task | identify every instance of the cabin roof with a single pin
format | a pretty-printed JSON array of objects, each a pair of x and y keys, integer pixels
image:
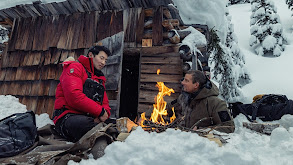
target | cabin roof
[{"x": 75, "y": 6}]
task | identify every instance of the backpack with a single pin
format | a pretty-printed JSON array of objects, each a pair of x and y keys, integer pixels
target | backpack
[
  {"x": 18, "y": 132},
  {"x": 267, "y": 108}
]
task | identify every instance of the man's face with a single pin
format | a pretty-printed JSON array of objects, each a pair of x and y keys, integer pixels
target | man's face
[
  {"x": 99, "y": 60},
  {"x": 187, "y": 84}
]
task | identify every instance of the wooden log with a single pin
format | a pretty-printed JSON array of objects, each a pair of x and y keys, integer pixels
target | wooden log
[
  {"x": 170, "y": 23},
  {"x": 162, "y": 60},
  {"x": 151, "y": 86},
  {"x": 144, "y": 78},
  {"x": 148, "y": 12},
  {"x": 125, "y": 125},
  {"x": 167, "y": 13},
  {"x": 264, "y": 128},
  {"x": 158, "y": 50},
  {"x": 164, "y": 69}
]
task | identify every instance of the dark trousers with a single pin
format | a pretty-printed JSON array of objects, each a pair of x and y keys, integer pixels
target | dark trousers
[{"x": 74, "y": 126}]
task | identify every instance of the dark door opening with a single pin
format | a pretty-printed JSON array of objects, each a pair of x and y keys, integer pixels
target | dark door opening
[{"x": 129, "y": 86}]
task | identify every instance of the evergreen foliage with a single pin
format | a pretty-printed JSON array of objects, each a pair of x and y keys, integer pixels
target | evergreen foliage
[
  {"x": 266, "y": 30},
  {"x": 232, "y": 2},
  {"x": 242, "y": 74},
  {"x": 222, "y": 69}
]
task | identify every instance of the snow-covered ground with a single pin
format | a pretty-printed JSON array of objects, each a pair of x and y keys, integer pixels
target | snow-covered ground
[{"x": 269, "y": 75}]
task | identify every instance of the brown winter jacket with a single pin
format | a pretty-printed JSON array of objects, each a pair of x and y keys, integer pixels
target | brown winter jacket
[{"x": 207, "y": 107}]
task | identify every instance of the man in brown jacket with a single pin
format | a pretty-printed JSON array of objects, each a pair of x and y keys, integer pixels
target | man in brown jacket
[{"x": 200, "y": 105}]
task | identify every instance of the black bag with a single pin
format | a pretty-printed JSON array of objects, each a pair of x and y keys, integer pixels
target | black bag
[
  {"x": 268, "y": 108},
  {"x": 18, "y": 132}
]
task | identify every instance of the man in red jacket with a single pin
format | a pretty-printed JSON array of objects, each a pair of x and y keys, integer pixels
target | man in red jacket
[{"x": 81, "y": 99}]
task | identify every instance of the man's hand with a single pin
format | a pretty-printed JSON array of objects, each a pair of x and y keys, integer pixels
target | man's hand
[
  {"x": 194, "y": 128},
  {"x": 104, "y": 117}
]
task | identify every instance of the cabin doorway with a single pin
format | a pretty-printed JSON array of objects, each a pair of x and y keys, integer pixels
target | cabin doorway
[{"x": 129, "y": 86}]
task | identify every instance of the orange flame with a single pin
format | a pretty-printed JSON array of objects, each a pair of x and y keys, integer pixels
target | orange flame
[
  {"x": 160, "y": 105},
  {"x": 158, "y": 71}
]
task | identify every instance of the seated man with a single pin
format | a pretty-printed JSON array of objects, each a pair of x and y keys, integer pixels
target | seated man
[
  {"x": 200, "y": 105},
  {"x": 81, "y": 99}
]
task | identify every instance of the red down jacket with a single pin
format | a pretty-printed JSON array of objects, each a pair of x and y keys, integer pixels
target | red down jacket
[{"x": 69, "y": 92}]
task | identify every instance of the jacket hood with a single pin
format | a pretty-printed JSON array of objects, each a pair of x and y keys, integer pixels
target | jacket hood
[
  {"x": 206, "y": 92},
  {"x": 87, "y": 63}
]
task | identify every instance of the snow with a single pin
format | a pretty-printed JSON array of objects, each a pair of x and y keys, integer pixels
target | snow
[{"x": 269, "y": 75}]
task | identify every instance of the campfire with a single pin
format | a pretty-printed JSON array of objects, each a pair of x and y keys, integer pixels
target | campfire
[{"x": 159, "y": 115}]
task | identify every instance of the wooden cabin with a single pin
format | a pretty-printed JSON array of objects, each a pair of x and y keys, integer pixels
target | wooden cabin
[{"x": 42, "y": 36}]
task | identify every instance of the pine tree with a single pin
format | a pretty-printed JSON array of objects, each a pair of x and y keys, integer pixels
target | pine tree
[
  {"x": 290, "y": 4},
  {"x": 232, "y": 2},
  {"x": 266, "y": 30},
  {"x": 242, "y": 74},
  {"x": 222, "y": 69}
]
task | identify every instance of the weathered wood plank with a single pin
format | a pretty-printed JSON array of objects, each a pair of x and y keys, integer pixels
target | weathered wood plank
[
  {"x": 49, "y": 107},
  {"x": 55, "y": 55},
  {"x": 149, "y": 97},
  {"x": 47, "y": 56},
  {"x": 21, "y": 27},
  {"x": 157, "y": 26},
  {"x": 47, "y": 33},
  {"x": 161, "y": 60},
  {"x": 162, "y": 78},
  {"x": 51, "y": 72},
  {"x": 78, "y": 27},
  {"x": 70, "y": 30},
  {"x": 36, "y": 41},
  {"x": 103, "y": 26},
  {"x": 44, "y": 73},
  {"x": 152, "y": 86},
  {"x": 63, "y": 37},
  {"x": 52, "y": 89},
  {"x": 159, "y": 50},
  {"x": 144, "y": 107},
  {"x": 164, "y": 69},
  {"x": 140, "y": 26},
  {"x": 12, "y": 40},
  {"x": 40, "y": 105},
  {"x": 10, "y": 74},
  {"x": 31, "y": 33},
  {"x": 37, "y": 58},
  {"x": 2, "y": 74},
  {"x": 116, "y": 23},
  {"x": 30, "y": 58},
  {"x": 91, "y": 30},
  {"x": 82, "y": 37},
  {"x": 57, "y": 30}
]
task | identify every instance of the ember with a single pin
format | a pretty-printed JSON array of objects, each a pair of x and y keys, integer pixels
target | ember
[{"x": 159, "y": 111}]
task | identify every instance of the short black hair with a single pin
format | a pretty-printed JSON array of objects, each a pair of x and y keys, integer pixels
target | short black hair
[
  {"x": 197, "y": 76},
  {"x": 96, "y": 50}
]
